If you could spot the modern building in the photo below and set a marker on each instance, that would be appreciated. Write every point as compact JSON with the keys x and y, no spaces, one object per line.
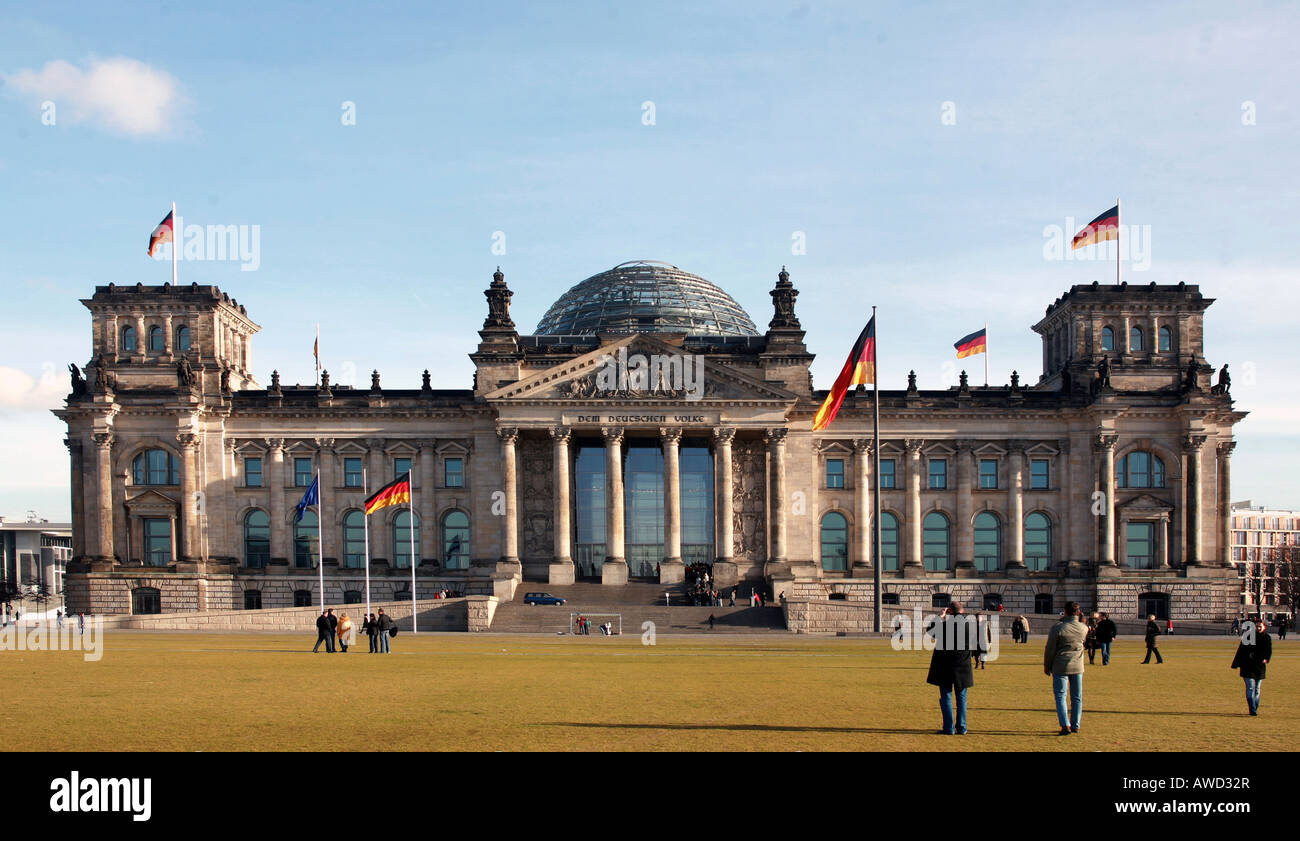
{"x":34,"y":556}
{"x":1265,"y":542}
{"x":647,"y":425}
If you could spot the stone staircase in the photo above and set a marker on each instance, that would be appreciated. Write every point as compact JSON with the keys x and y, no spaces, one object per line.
{"x":638,"y":602}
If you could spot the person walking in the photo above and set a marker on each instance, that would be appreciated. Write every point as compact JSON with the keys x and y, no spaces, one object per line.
{"x":950,"y":668}
{"x":1169,"y":626}
{"x":81,"y":623}
{"x":1090,"y":641}
{"x":58,"y":615}
{"x":1153,"y":632}
{"x":1016,"y":627}
{"x":710,"y":621}
{"x":372,"y":630}
{"x":1281,"y":626}
{"x":732,"y":601}
{"x":345,"y":632}
{"x":1251,"y":661}
{"x":323,"y":634}
{"x":1106,"y":633}
{"x":1024,"y":629}
{"x":384,"y":626}
{"x":1063,"y":662}
{"x":334,"y":626}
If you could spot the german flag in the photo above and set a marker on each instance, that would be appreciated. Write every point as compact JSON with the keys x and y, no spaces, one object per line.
{"x":1104,"y":227}
{"x":976,"y":342}
{"x":162,"y":233}
{"x":859,"y":369}
{"x":396,"y":492}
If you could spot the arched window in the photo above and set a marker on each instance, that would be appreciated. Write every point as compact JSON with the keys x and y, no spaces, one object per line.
{"x":182,"y":338}
{"x":354,"y":540}
{"x":835,"y":542}
{"x":155,"y":338}
{"x":1044,"y":603}
{"x":1107,"y":338}
{"x":934,"y":541}
{"x":1166,"y":340}
{"x":306,"y":537}
{"x":257,"y":538}
{"x":455,"y":540}
{"x":1038,"y":541}
{"x":146,"y":600}
{"x":128,"y":339}
{"x":1135,"y":339}
{"x":154,"y":467}
{"x":988,"y":542}
{"x":889,"y":540}
{"x":252,"y":600}
{"x":403,"y":538}
{"x":1140,"y":469}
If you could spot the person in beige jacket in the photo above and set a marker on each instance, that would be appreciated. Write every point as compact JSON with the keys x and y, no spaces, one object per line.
{"x":1063,"y":660}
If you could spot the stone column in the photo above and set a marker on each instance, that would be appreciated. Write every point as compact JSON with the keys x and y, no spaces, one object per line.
{"x":1192,"y":449}
{"x":141,"y":338}
{"x":1016,"y":506}
{"x":111,"y":340}
{"x":427,"y":504}
{"x":167,"y":335}
{"x":1162,"y":552}
{"x":189,"y":540}
{"x":614,"y":570}
{"x":561,"y":570}
{"x":724,"y":569}
{"x":510,"y":478}
{"x":1224,"y":555}
{"x":913,"y":448}
{"x":280,"y":535}
{"x":965,"y":508}
{"x":77,"y":483}
{"x":862,"y":454}
{"x":325,"y":511}
{"x":103,"y":515}
{"x":672,"y":570}
{"x":777,"y":504}
{"x":1105,"y":447}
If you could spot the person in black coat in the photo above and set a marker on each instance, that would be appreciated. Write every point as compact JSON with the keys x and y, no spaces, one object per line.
{"x":1252,"y":657}
{"x":1153,"y":634}
{"x":334,"y":627}
{"x":1106,"y":633}
{"x":323,"y":634}
{"x":950,"y":666}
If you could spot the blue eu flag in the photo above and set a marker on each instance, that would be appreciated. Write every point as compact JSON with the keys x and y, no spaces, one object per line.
{"x":312,"y":497}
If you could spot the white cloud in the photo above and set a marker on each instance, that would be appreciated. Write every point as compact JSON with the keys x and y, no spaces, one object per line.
{"x":21,"y":391}
{"x":120,"y":94}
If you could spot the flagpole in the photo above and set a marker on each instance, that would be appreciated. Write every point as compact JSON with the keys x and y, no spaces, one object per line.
{"x":986,"y":354}
{"x":176,"y":244}
{"x":320,"y":541}
{"x":875,"y":449}
{"x":410,"y":532}
{"x":1119,"y":274}
{"x":365,"y":521}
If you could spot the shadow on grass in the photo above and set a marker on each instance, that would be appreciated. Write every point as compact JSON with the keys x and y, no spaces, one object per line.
{"x":1089,"y":711}
{"x":776,"y":728}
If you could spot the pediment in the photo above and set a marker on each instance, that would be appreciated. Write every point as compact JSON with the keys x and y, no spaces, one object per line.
{"x":1145,"y":504}
{"x":150,"y":501}
{"x":640,"y":367}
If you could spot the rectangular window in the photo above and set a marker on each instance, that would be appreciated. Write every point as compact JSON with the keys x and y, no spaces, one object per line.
{"x":302,"y":473}
{"x":157,"y":542}
{"x":401,"y":466}
{"x":351,"y":472}
{"x":1039,"y":474}
{"x":453,"y":472}
{"x":1141,"y":545}
{"x":938,"y":474}
{"x":252,"y":473}
{"x":834,"y":472}
{"x":988,"y":474}
{"x":887,"y":473}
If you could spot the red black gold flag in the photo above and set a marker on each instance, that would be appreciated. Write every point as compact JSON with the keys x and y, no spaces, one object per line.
{"x":162,"y":233}
{"x":859,"y":369}
{"x":397,"y":492}
{"x":976,"y":342}
{"x":1104,"y":227}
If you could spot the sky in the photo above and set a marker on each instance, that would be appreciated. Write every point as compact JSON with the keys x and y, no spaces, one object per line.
{"x":906,"y":155}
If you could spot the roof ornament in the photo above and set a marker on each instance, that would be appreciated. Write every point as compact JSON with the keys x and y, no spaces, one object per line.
{"x":783,"y":304}
{"x":498,"y":297}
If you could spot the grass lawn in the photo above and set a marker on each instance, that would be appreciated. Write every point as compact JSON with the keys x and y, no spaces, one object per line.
{"x":190,"y":691}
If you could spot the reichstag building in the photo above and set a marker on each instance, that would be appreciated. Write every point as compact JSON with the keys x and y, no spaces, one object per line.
{"x":647,"y":425}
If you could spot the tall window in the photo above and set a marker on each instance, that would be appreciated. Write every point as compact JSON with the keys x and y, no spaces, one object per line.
{"x":887,"y":473}
{"x":257,"y":538}
{"x":401,"y":466}
{"x":938,"y":474}
{"x":453,"y":473}
{"x":351,"y":472}
{"x":835,"y":542}
{"x":252,"y":473}
{"x":1135,"y":339}
{"x":834,"y":472}
{"x":1044,"y":604}
{"x":302,"y":473}
{"x":1039,"y":474}
{"x":1166,"y":340}
{"x":1140,"y":469}
{"x":455,"y":540}
{"x":302,"y":598}
{"x":696,"y":480}
{"x":888,"y":540}
{"x":182,"y":338}
{"x":1141,"y":538}
{"x":305,"y":541}
{"x":252,"y":600}
{"x":154,"y":467}
{"x":146,"y":600}
{"x":988,"y":542}
{"x":157,"y":542}
{"x":988,"y":474}
{"x":403,"y":535}
{"x":1038,"y":542}
{"x":128,"y":339}
{"x":354,"y":540}
{"x":156,"y":338}
{"x":1107,"y":338}
{"x":934,"y":541}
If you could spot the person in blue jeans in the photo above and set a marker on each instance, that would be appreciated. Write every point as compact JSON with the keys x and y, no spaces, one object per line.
{"x":950,"y":666}
{"x":1252,"y":657}
{"x":385,"y":625}
{"x":1063,"y":661}
{"x":1106,"y":633}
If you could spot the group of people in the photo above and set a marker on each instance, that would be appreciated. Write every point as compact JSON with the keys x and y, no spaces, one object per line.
{"x":583,"y":627}
{"x":1019,"y":629}
{"x":377,"y":627}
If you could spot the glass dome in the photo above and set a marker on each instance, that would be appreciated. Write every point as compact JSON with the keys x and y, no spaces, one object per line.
{"x":645,"y":296}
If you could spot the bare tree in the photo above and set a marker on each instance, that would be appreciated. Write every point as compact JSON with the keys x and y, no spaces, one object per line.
{"x":1286,"y":574}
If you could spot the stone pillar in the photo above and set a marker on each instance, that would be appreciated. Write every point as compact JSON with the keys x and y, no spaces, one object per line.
{"x":965,"y":508}
{"x":77,"y":477}
{"x":862,"y":454}
{"x":280,"y":534}
{"x":1105,"y":447}
{"x":326,"y":462}
{"x":561,"y":570}
{"x":1224,"y":556}
{"x":427,"y":510}
{"x":671,"y":570}
{"x":1192,"y":449}
{"x":913,"y":448}
{"x":1016,"y":506}
{"x":510,"y":478}
{"x":777,"y":504}
{"x":614,"y":570}
{"x":167,"y":335}
{"x":141,"y":338}
{"x":724,"y":569}
{"x":111,"y":339}
{"x":189,"y":543}
{"x":103,"y":514}
{"x":1162,"y":551}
